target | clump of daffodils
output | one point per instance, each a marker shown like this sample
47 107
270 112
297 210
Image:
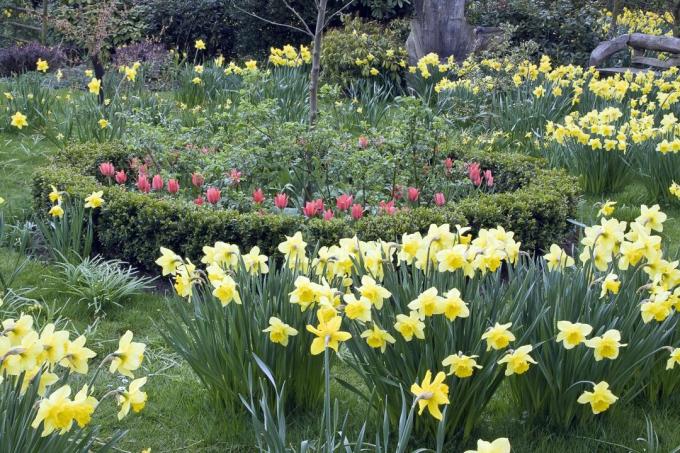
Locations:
290 56
30 355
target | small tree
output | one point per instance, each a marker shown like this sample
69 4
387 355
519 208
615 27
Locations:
323 18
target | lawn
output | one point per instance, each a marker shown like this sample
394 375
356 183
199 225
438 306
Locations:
179 417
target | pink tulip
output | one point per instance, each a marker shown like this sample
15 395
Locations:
235 176
157 182
121 177
388 207
489 178
319 204
344 201
199 201
197 179
213 195
281 200
363 142
328 214
413 194
173 186
357 211
143 183
439 199
310 209
258 196
107 169
475 174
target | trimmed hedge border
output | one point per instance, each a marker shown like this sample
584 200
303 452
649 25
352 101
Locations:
133 226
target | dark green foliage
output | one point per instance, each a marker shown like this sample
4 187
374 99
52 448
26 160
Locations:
565 30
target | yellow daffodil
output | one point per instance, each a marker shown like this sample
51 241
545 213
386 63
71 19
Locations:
94 86
428 303
462 366
199 44
607 346
56 211
498 336
328 334
19 120
599 399
375 293
410 326
611 284
453 306
132 398
225 290
607 209
500 445
557 258
517 361
128 357
94 200
279 331
41 65
674 359
377 338
168 261
431 394
77 355
103 123
572 334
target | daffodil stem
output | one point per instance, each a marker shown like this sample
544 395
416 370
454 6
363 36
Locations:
99 369
327 397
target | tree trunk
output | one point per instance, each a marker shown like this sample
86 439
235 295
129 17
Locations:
440 26
676 18
316 63
99 74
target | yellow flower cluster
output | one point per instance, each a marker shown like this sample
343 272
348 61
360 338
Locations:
649 22
38 355
429 63
130 71
617 243
289 56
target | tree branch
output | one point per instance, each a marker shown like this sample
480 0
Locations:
328 21
278 24
309 31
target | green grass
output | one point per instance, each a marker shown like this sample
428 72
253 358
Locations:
179 416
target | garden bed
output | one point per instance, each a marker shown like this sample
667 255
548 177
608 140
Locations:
529 199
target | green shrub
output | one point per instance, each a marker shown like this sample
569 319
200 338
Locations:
533 202
349 53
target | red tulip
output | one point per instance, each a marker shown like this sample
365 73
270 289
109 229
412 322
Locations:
310 210
413 194
344 201
439 199
121 177
357 211
143 183
107 169
258 196
281 200
173 186
157 182
213 195
328 214
489 178
363 142
388 207
197 179
199 201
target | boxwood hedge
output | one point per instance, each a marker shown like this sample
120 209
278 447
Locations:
535 203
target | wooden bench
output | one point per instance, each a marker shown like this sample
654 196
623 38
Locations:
641 44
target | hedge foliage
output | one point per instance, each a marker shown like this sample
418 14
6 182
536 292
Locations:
133 226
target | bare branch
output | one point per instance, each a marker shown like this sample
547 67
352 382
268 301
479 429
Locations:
339 11
309 31
278 24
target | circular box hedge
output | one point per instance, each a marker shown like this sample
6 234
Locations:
531 200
